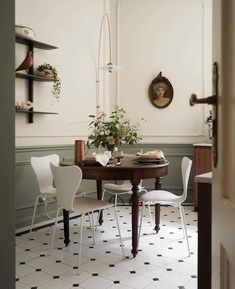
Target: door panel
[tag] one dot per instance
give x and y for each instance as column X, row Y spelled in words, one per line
column 223, row 185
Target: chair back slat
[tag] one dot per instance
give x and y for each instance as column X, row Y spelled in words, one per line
column 42, row 170
column 186, row 165
column 67, row 180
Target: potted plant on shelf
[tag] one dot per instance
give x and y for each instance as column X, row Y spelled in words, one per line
column 48, row 71
column 112, row 131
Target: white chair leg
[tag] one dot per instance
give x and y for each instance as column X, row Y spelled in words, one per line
column 115, row 201
column 150, row 215
column 140, row 227
column 54, row 230
column 45, row 210
column 182, row 215
column 93, row 226
column 80, row 244
column 34, row 212
column 119, row 231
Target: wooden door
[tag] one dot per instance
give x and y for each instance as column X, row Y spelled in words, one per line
column 223, row 184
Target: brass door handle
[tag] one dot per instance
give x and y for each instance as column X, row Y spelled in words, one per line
column 209, row 100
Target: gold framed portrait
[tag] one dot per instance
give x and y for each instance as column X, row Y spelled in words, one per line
column 161, row 92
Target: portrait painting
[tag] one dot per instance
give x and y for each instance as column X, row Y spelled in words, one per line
column 160, row 92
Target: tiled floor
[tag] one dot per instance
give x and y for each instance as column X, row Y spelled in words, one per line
column 161, row 263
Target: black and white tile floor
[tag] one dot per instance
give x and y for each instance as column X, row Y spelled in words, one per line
column 161, row 263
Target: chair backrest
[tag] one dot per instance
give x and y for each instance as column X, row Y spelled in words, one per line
column 186, row 165
column 42, row 170
column 67, row 180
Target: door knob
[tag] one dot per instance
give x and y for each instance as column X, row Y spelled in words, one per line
column 209, row 100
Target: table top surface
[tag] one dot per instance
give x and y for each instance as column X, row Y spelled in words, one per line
column 129, row 169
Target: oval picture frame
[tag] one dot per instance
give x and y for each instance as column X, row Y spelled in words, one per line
column 161, row 92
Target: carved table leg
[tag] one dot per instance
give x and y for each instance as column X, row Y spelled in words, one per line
column 135, row 219
column 99, row 196
column 157, row 206
column 66, row 227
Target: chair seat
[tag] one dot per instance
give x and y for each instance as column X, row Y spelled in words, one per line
column 49, row 192
column 82, row 205
column 161, row 197
column 116, row 189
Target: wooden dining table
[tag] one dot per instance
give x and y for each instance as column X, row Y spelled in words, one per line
column 129, row 169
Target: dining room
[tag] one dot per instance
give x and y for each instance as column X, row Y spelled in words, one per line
column 108, row 55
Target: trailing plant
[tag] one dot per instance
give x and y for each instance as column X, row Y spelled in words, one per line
column 51, row 72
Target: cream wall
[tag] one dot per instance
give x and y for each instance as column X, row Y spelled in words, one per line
column 73, row 26
column 183, row 56
column 174, row 37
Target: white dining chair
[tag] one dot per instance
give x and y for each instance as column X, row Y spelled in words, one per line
column 42, row 170
column 67, row 180
column 122, row 189
column 167, row 198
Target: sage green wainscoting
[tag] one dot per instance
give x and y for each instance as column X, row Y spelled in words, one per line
column 27, row 188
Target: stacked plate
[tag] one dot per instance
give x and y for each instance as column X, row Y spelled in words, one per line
column 150, row 159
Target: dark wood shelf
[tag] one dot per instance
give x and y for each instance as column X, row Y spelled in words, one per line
column 35, row 112
column 34, row 43
column 33, row 77
column 31, row 43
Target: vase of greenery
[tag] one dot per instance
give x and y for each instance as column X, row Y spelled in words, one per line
column 112, row 131
column 50, row 72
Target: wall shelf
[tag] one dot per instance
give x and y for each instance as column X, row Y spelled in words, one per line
column 33, row 77
column 33, row 43
column 35, row 112
column 30, row 77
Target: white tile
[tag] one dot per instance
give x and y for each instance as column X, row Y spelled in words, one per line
column 73, row 276
column 136, row 282
column 23, row 270
column 114, row 273
column 20, row 285
column 96, row 282
column 161, row 285
column 56, row 269
column 40, row 262
column 94, row 266
column 36, row 278
column 56, row 284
